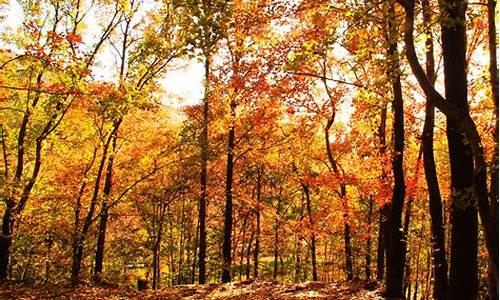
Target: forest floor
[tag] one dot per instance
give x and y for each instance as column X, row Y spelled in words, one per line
column 236, row 291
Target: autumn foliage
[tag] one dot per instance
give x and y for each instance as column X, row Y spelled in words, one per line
column 351, row 144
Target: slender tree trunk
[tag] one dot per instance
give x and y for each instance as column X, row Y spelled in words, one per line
column 454, row 44
column 155, row 267
column 384, row 210
column 171, row 252
column 228, row 213
column 407, row 218
column 103, row 218
column 417, row 271
column 156, row 264
column 6, row 239
column 343, row 196
column 11, row 207
column 81, row 235
column 368, row 247
column 305, row 187
column 242, row 250
column 394, row 239
column 202, row 215
column 257, row 234
column 180, row 251
column 348, row 249
column 297, row 261
column 276, row 249
column 248, row 252
column 157, row 246
column 193, row 266
column 101, row 237
column 276, row 253
column 440, row 264
column 463, row 283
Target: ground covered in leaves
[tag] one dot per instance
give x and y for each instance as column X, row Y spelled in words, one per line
column 235, row 291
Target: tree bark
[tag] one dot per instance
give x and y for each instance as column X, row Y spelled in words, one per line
column 6, row 239
column 276, row 253
column 384, row 210
column 368, row 247
column 103, row 218
column 257, row 234
column 395, row 245
column 157, row 246
column 463, row 282
column 276, row 227
column 440, row 264
column 228, row 213
column 466, row 126
column 13, row 207
column 81, row 235
column 297, row 262
column 248, row 252
column 195, row 252
column 243, row 240
column 202, row 214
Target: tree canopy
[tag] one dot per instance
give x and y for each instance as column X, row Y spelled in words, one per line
column 343, row 142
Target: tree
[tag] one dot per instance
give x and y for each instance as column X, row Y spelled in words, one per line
column 155, row 51
column 435, row 204
column 45, row 55
column 459, row 120
column 394, row 240
column 206, row 23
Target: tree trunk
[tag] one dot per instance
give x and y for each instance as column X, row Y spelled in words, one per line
column 228, row 213
column 276, row 252
column 407, row 218
column 157, row 246
column 305, row 187
column 248, row 252
column 348, row 249
column 202, row 215
column 81, row 235
column 368, row 247
column 103, row 218
column 242, row 250
column 464, row 124
column 343, row 196
column 440, row 264
column 463, row 282
column 384, row 210
column 6, row 239
column 154, row 284
column 11, row 207
column 101, row 238
column 276, row 227
column 297, row 262
column 257, row 234
column 193, row 266
column 394, row 239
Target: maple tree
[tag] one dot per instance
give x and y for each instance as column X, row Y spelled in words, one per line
column 342, row 142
